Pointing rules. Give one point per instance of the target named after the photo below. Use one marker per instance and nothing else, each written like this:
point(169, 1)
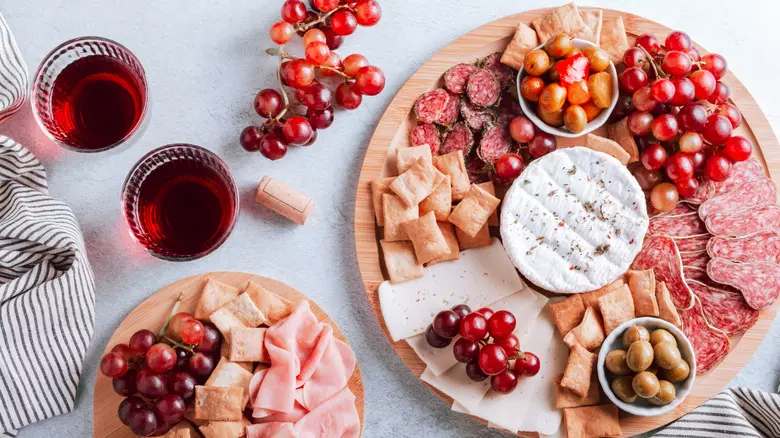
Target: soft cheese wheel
point(574, 220)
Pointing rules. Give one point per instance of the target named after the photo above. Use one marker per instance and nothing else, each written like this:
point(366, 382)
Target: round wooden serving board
point(151, 315)
point(393, 132)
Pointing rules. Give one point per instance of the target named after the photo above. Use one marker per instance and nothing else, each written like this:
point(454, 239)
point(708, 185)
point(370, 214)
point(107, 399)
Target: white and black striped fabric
point(14, 86)
point(47, 295)
point(735, 412)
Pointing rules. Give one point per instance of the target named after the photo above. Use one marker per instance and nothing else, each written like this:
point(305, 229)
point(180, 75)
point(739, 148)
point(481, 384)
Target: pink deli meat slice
point(710, 345)
point(750, 194)
point(741, 172)
point(335, 418)
point(758, 247)
point(693, 243)
point(742, 223)
point(724, 309)
point(660, 254)
point(271, 430)
point(759, 282)
point(695, 259)
point(676, 226)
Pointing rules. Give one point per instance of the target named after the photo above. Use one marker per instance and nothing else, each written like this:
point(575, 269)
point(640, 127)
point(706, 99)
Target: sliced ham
point(335, 418)
point(271, 430)
point(335, 368)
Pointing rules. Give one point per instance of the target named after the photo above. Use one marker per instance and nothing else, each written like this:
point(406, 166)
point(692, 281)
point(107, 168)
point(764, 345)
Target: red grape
point(664, 127)
point(370, 80)
point(487, 312)
point(182, 359)
point(714, 64)
point(169, 408)
point(281, 32)
point(297, 130)
point(679, 167)
point(250, 138)
point(474, 372)
point(125, 385)
point(703, 83)
point(521, 129)
point(191, 331)
point(353, 63)
point(504, 383)
point(738, 148)
point(717, 129)
point(690, 142)
point(634, 57)
point(434, 339)
point(212, 340)
point(367, 12)
point(527, 364)
point(643, 99)
point(492, 359)
point(348, 96)
point(509, 166)
point(343, 22)
point(717, 168)
point(692, 117)
point(694, 54)
point(731, 112)
point(161, 358)
point(268, 103)
point(639, 123)
point(647, 179)
point(510, 344)
point(698, 158)
point(293, 11)
point(317, 53)
point(124, 350)
point(334, 62)
point(633, 79)
point(653, 157)
point(325, 5)
point(273, 146)
point(317, 96)
point(542, 144)
point(128, 407)
point(201, 365)
point(143, 422)
point(664, 197)
point(501, 324)
point(684, 91)
point(623, 108)
point(333, 40)
point(181, 384)
point(687, 187)
point(320, 119)
point(465, 351)
point(113, 365)
point(150, 384)
point(678, 40)
point(312, 139)
point(473, 327)
point(461, 309)
point(446, 323)
point(297, 73)
point(649, 42)
point(177, 322)
point(720, 94)
point(313, 35)
point(662, 90)
point(677, 63)
point(141, 341)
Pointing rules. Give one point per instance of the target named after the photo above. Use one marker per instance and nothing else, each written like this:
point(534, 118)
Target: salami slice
point(660, 254)
point(459, 138)
point(758, 247)
point(426, 133)
point(682, 209)
point(693, 273)
point(752, 220)
point(759, 282)
point(483, 88)
point(695, 259)
point(741, 172)
point(476, 118)
point(478, 171)
point(430, 105)
point(494, 144)
point(750, 194)
point(451, 111)
point(504, 74)
point(693, 243)
point(456, 77)
point(724, 309)
point(676, 226)
point(710, 345)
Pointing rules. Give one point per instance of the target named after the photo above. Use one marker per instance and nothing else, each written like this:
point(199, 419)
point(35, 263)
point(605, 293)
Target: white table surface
point(205, 61)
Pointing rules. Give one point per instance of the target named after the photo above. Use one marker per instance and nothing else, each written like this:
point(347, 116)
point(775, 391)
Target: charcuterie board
point(152, 313)
point(392, 132)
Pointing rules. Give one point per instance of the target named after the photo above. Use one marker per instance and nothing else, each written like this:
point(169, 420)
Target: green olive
point(553, 97)
point(536, 63)
point(575, 118)
point(531, 87)
point(553, 73)
point(639, 356)
point(600, 86)
point(635, 333)
point(623, 389)
point(678, 373)
point(559, 46)
point(597, 58)
point(645, 384)
point(552, 118)
point(665, 395)
point(662, 335)
point(616, 362)
point(667, 356)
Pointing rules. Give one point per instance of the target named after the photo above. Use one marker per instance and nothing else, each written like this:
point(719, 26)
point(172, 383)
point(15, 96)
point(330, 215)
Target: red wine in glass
point(180, 202)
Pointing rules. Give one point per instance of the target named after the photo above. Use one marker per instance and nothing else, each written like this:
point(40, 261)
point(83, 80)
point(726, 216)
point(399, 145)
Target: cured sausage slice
point(750, 194)
point(759, 282)
point(682, 209)
point(695, 259)
point(478, 171)
point(476, 118)
point(676, 226)
point(693, 243)
point(710, 345)
point(741, 172)
point(504, 74)
point(483, 88)
point(426, 133)
point(660, 254)
point(752, 220)
point(456, 77)
point(724, 309)
point(693, 273)
point(451, 111)
point(495, 142)
point(758, 247)
point(430, 105)
point(459, 138)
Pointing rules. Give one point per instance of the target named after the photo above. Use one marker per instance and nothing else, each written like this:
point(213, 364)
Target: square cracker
point(607, 146)
point(439, 201)
point(273, 306)
point(591, 299)
point(616, 308)
point(592, 421)
point(229, 373)
point(481, 239)
point(416, 183)
point(524, 40)
point(589, 333)
point(568, 313)
point(426, 237)
point(472, 213)
point(565, 19)
point(378, 188)
point(592, 30)
point(579, 371)
point(402, 264)
point(567, 399)
point(406, 157)
point(216, 403)
point(453, 164)
point(666, 309)
point(642, 286)
point(246, 310)
point(614, 39)
point(489, 187)
point(215, 294)
point(448, 231)
point(246, 345)
point(397, 212)
point(619, 133)
point(225, 429)
point(224, 352)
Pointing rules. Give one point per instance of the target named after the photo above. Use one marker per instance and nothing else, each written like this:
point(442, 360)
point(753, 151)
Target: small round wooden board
point(151, 315)
point(392, 133)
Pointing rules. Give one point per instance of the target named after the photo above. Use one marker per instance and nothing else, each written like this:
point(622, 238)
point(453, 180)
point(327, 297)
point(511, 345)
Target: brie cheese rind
point(574, 220)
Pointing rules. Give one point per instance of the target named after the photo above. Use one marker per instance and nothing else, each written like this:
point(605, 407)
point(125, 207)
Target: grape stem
point(177, 344)
point(334, 70)
point(173, 312)
point(282, 56)
point(302, 27)
point(652, 62)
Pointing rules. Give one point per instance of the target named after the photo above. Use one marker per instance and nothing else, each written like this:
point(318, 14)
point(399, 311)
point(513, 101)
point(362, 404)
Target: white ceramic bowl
point(594, 124)
point(641, 407)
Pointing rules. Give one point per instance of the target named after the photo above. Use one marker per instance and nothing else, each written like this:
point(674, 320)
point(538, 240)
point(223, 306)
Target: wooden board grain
point(392, 133)
point(151, 314)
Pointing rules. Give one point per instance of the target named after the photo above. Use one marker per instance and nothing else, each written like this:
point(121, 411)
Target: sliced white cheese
point(438, 360)
point(481, 276)
point(456, 384)
point(574, 220)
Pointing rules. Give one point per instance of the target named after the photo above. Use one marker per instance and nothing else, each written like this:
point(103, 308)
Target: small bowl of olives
point(646, 366)
point(575, 103)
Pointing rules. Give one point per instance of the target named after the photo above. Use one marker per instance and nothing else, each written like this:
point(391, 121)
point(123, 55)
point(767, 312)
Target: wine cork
point(282, 199)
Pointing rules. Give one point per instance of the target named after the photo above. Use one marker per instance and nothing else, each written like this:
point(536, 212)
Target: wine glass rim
point(142, 76)
point(234, 213)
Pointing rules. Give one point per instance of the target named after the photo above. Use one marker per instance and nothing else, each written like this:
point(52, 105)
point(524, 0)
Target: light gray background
point(205, 61)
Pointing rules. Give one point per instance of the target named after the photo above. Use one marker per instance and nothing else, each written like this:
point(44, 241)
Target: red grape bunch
point(323, 30)
point(533, 144)
point(486, 345)
point(158, 374)
point(678, 111)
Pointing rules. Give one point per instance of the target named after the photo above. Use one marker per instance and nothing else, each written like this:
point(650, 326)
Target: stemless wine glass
point(90, 94)
point(180, 202)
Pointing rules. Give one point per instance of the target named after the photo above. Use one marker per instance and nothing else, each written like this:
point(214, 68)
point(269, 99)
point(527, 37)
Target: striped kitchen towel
point(14, 86)
point(47, 295)
point(734, 412)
